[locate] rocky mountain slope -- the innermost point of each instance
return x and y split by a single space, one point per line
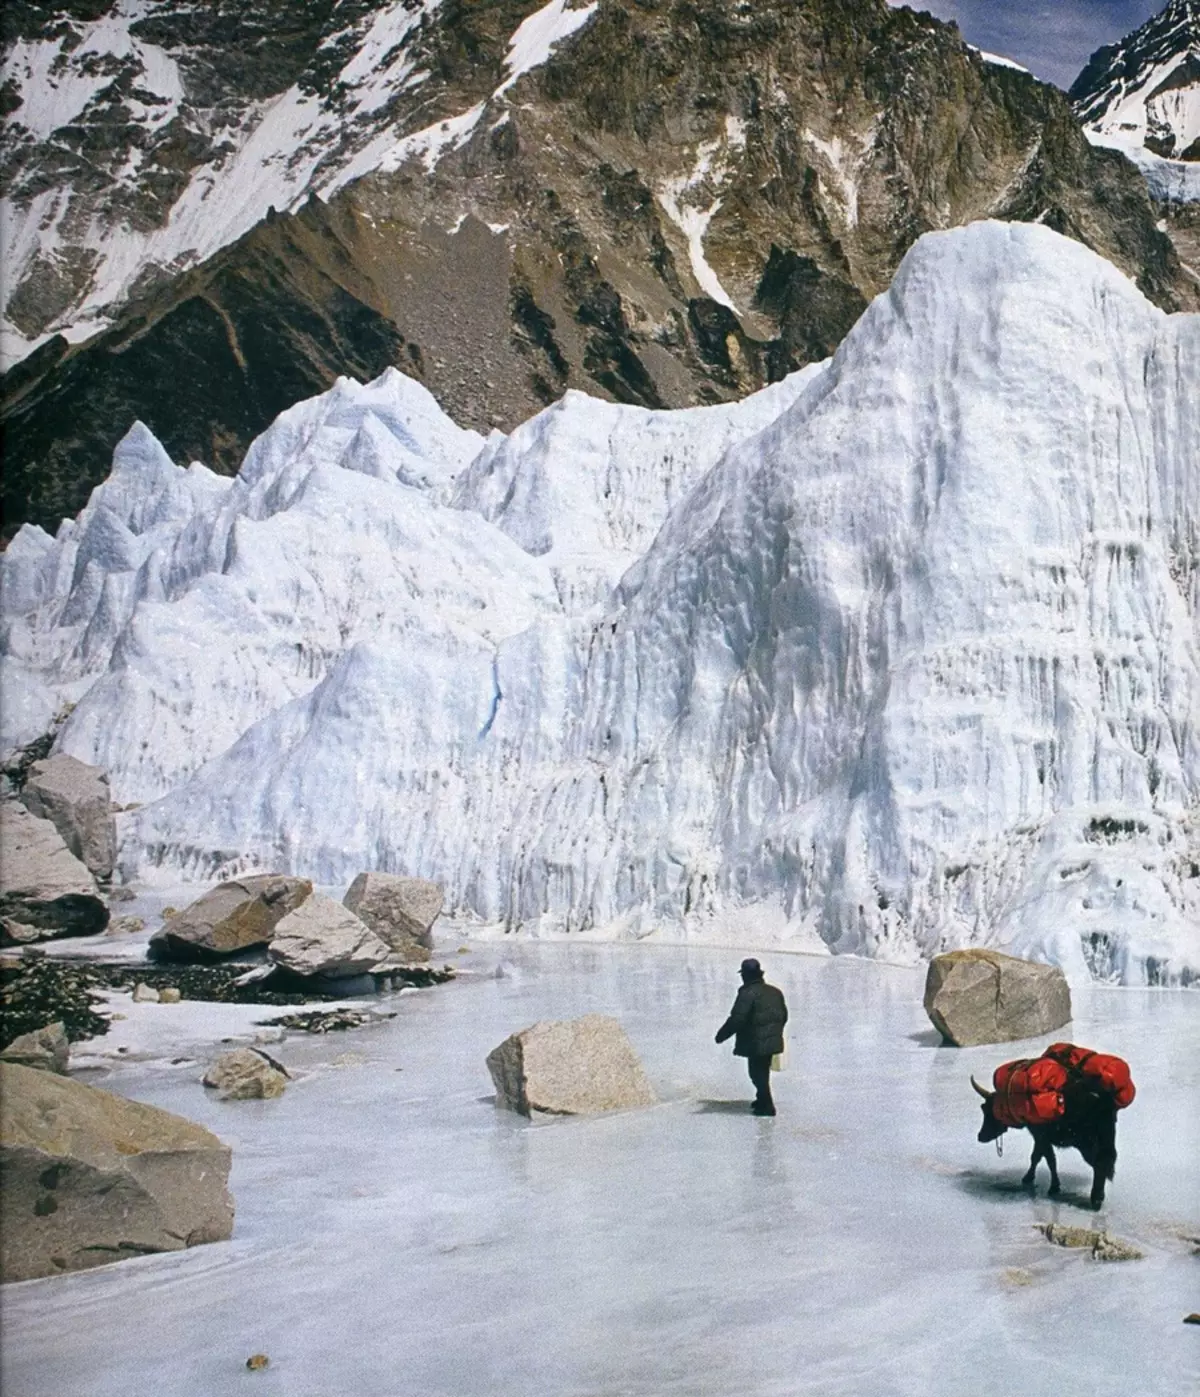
662 201
902 652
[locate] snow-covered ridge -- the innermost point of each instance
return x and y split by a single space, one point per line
904 653
1142 96
266 153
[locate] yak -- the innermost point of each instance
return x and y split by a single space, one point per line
1088 1124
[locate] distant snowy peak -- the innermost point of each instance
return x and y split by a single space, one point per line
1145 91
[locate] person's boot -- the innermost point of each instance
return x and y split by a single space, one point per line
763 1108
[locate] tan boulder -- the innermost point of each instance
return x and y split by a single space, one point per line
569 1067
47 1049
44 889
75 798
89 1177
400 911
229 918
246 1075
321 937
981 996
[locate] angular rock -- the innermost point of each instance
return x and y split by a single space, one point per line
1102 1245
569 1067
144 994
400 911
170 995
231 917
46 1049
321 937
246 1075
76 799
125 926
43 887
981 996
89 1177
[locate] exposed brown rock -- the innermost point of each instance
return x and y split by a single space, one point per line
981 996
232 917
90 1178
400 911
569 1067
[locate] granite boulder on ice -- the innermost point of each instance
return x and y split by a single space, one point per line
44 889
980 996
321 937
400 911
231 917
569 1067
90 1177
246 1075
47 1049
75 798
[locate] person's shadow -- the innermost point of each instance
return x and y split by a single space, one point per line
707 1106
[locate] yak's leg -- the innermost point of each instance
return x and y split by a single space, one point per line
1055 1187
1038 1155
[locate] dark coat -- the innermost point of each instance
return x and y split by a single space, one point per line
757 1018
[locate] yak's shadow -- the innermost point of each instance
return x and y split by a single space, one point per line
709 1107
980 1185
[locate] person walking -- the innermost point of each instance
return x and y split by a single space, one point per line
757 1018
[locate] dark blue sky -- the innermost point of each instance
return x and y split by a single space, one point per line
1053 38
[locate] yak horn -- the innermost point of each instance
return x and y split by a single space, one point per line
985 1094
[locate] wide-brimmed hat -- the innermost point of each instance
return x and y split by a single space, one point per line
751 969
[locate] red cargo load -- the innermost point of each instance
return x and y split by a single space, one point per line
1100 1071
1029 1091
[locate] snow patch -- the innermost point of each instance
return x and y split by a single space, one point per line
537 36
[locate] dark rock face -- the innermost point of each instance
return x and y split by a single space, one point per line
687 200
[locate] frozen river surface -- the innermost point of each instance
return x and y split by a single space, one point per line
396 1234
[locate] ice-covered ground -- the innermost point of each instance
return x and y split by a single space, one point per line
398 1235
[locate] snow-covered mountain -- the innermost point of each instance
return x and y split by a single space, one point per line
1142 96
910 657
663 204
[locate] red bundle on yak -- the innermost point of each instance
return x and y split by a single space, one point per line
1100 1071
1029 1091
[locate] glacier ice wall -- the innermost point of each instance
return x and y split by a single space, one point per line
904 652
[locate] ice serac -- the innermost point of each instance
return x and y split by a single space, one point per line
914 666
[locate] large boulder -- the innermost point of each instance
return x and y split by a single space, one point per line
400 911
46 1049
75 798
231 917
44 889
569 1067
246 1075
89 1177
981 996
321 937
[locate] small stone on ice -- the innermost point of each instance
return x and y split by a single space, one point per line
257 1361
